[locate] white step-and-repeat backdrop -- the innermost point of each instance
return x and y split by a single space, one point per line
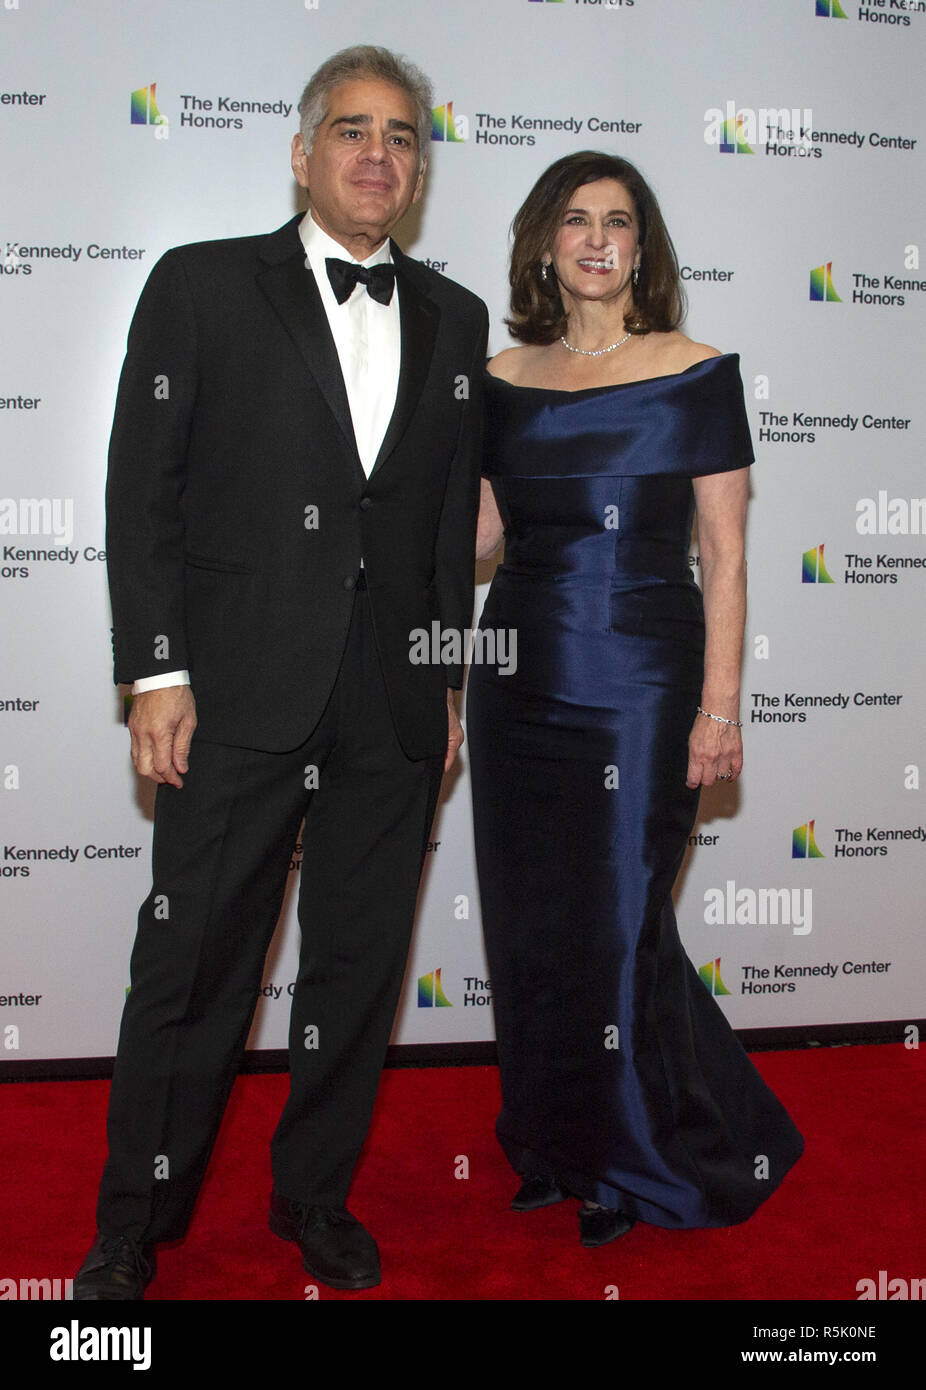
786 140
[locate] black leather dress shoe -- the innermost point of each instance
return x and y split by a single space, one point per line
335 1248
536 1192
117 1267
598 1225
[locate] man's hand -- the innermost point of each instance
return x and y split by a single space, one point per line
454 732
161 724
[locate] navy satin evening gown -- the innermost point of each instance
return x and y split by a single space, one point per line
581 812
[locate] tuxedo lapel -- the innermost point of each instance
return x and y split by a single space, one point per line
419 317
291 289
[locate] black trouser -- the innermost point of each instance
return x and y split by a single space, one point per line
222 850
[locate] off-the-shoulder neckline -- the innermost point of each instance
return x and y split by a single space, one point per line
616 386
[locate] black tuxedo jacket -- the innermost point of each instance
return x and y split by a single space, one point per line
238 510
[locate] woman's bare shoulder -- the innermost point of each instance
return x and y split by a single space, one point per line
514 364
684 352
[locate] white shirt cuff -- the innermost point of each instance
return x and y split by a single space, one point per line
161 682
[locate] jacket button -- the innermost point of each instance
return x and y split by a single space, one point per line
349 582
366 503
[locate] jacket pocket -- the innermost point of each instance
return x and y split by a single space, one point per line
207 562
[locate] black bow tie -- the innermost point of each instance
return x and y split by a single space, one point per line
344 275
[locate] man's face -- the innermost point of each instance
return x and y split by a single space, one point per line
362 173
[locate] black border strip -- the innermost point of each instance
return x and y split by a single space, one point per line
477 1054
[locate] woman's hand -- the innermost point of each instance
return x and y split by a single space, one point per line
715 752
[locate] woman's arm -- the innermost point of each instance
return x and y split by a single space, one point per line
715 749
489 529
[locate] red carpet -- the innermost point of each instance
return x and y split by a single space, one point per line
852 1206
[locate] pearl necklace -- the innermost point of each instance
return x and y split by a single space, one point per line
586 352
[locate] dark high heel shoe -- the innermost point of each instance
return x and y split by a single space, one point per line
536 1192
598 1225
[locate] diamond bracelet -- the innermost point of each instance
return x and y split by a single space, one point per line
735 723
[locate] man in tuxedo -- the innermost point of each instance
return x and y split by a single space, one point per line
292 490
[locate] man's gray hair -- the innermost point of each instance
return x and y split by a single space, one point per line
366 60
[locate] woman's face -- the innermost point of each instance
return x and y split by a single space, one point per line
596 245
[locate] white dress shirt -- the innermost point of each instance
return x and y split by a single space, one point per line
367 336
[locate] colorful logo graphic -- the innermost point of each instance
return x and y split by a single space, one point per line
710 974
813 570
830 9
443 126
430 992
803 843
732 139
145 107
821 284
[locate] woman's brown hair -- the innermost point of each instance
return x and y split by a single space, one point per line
537 313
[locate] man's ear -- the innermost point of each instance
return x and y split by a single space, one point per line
420 184
299 161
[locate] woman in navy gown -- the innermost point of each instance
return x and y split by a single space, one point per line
622 1082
